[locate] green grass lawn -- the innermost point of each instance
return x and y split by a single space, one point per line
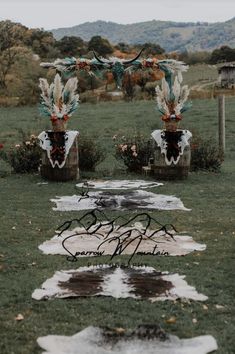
200 73
27 219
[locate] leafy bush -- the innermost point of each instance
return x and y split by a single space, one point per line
205 155
24 157
90 153
134 151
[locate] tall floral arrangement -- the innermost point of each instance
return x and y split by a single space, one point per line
172 97
58 101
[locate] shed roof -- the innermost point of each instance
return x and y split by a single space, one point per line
226 67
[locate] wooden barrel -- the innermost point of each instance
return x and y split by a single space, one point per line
69 172
179 171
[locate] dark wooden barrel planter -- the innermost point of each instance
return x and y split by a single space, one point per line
173 171
69 172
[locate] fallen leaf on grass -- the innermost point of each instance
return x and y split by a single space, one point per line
205 307
220 307
19 317
120 330
171 320
194 320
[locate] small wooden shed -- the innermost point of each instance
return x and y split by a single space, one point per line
227 76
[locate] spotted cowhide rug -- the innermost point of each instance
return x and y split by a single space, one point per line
125 200
147 339
118 282
118 184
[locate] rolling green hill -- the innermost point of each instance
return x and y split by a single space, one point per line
170 35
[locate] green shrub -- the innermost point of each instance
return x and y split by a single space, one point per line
90 153
134 151
24 157
205 155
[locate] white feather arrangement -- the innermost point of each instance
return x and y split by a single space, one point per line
58 100
172 97
174 66
62 65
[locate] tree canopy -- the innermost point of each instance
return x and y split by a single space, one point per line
223 54
100 45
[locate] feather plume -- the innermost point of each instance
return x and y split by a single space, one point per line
57 92
165 89
61 65
44 86
184 94
172 66
176 89
181 106
161 101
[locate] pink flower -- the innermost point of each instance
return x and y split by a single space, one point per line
135 154
124 147
133 148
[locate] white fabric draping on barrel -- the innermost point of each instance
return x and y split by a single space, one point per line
45 144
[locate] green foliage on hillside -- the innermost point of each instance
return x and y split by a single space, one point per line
171 36
22 49
100 45
223 54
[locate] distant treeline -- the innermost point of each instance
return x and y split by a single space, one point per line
22 49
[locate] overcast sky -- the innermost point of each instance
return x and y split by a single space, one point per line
49 14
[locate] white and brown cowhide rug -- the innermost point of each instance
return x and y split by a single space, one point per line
118 184
119 282
125 200
122 240
145 339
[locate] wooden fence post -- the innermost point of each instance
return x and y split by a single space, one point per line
221 117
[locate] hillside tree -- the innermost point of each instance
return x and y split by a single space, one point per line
223 54
100 45
71 46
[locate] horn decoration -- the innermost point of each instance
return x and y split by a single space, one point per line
132 60
100 60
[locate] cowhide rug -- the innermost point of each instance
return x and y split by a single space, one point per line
147 339
125 200
119 282
118 184
100 240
